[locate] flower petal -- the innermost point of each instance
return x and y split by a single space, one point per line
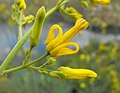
51 34
80 24
63 50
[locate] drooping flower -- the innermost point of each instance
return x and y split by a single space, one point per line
58 46
71 73
102 2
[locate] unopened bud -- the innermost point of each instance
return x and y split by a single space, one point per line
50 61
28 19
37 27
22 5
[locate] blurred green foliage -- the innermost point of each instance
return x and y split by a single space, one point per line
104 58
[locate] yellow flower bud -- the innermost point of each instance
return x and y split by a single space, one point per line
28 19
21 4
37 27
77 73
71 73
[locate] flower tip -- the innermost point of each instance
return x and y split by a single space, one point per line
93 74
42 7
42 10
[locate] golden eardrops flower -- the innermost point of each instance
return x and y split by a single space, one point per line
58 46
71 73
102 2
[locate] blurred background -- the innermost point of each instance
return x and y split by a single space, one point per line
100 50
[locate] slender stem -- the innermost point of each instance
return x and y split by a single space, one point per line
20 26
37 60
12 54
24 66
19 44
33 67
43 65
51 11
13 69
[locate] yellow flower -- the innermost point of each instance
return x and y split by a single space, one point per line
71 73
103 2
57 46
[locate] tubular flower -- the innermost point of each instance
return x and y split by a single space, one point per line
103 2
71 73
57 46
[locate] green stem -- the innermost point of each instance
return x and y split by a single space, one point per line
36 60
34 68
24 66
19 44
20 26
12 54
51 11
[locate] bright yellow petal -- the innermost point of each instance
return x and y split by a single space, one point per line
79 25
51 34
77 73
63 50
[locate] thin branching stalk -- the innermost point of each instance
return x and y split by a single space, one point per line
24 66
20 25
